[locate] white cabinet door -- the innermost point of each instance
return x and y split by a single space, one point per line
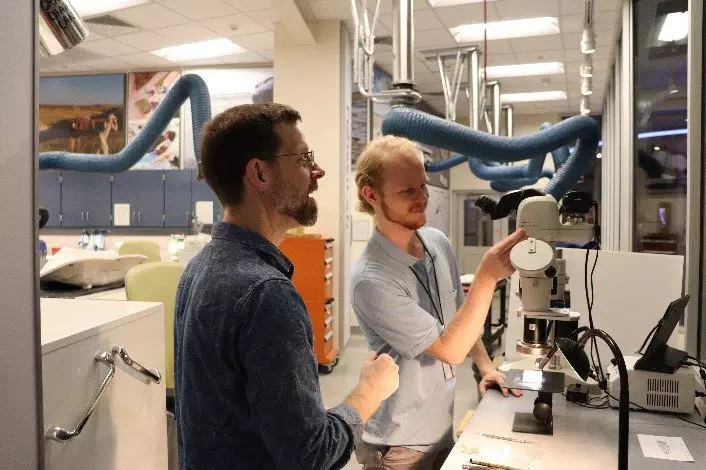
128 427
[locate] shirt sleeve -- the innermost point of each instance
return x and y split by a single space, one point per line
282 384
387 309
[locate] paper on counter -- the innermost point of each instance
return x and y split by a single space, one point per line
204 211
121 215
663 447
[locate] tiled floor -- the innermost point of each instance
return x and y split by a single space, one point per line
335 386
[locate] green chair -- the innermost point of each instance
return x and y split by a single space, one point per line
157 282
141 247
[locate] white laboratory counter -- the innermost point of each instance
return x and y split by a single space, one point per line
127 428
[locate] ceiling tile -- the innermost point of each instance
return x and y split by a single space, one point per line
571 23
433 38
244 58
572 7
497 47
201 9
606 5
536 43
265 17
426 19
108 47
74 67
257 42
540 56
331 9
107 64
150 16
572 41
145 59
145 41
93 36
465 14
188 33
605 20
234 25
251 5
515 9
267 54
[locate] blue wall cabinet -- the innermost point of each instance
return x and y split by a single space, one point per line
85 199
50 196
138 198
202 193
177 198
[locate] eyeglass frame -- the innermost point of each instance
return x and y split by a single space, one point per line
309 160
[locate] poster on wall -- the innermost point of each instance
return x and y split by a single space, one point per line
438 209
82 114
146 90
228 88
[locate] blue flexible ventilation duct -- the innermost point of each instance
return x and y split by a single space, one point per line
437 132
189 86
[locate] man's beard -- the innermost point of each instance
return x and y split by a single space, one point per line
400 220
305 211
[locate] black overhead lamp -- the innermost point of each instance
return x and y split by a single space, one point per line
577 358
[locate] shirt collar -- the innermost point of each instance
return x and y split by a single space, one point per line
394 251
268 251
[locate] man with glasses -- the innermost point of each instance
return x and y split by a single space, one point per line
247 389
407 294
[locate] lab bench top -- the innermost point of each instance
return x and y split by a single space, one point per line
66 321
583 438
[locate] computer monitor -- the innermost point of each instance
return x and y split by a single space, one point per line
659 357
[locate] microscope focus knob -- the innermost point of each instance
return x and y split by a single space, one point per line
550 271
532 256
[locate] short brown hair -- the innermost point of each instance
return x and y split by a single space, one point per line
371 164
236 136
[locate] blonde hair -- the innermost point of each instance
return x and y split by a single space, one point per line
371 164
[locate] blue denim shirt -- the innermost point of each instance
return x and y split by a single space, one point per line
247 386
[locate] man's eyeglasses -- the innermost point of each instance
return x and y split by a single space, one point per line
306 157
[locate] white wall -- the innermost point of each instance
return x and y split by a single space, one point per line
461 177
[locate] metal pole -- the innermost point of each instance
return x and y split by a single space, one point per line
371 115
473 60
509 113
403 43
495 89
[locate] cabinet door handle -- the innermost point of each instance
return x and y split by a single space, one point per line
328 260
328 321
328 336
87 219
139 216
83 216
328 277
60 434
134 216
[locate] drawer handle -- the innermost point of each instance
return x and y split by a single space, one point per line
328 321
328 276
328 336
328 260
60 434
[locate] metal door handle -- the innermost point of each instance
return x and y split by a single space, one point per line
134 216
328 260
83 215
328 336
60 434
87 216
139 216
328 277
328 321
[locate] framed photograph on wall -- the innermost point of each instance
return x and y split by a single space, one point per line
82 114
146 90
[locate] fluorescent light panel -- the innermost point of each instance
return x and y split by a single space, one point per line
87 8
675 27
199 50
448 3
542 26
525 70
536 96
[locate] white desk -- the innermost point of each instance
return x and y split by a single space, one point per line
583 438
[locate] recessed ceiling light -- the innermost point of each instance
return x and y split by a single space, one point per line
447 3
96 7
542 26
675 27
199 50
535 96
525 70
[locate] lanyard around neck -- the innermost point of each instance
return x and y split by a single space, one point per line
439 315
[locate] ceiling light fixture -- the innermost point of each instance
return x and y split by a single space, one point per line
199 50
675 27
525 70
542 26
96 7
535 96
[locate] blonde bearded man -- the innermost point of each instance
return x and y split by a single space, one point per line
408 298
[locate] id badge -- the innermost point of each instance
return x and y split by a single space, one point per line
448 371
